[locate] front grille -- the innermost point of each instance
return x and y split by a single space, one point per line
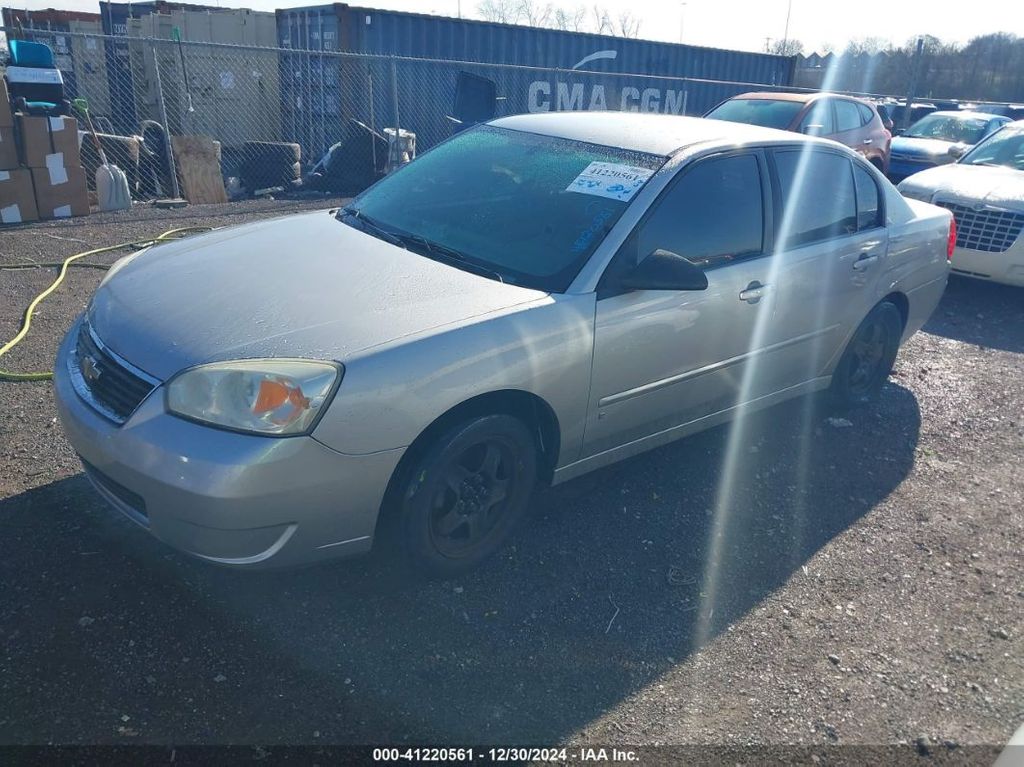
987 230
107 382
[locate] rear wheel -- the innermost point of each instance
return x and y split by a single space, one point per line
868 358
463 498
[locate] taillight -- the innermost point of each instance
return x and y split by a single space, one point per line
951 244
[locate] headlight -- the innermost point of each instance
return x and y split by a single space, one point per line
274 397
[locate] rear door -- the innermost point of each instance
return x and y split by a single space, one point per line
831 242
665 358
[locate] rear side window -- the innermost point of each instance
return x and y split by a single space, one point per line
869 207
818 198
866 115
847 116
819 116
713 215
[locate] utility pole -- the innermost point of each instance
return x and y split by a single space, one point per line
767 45
785 35
915 71
682 11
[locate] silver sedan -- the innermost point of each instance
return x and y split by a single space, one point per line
535 298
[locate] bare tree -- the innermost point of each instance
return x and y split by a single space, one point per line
535 13
629 25
786 47
869 45
501 11
571 19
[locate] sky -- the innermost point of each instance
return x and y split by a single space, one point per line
737 24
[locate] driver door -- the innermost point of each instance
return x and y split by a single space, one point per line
665 358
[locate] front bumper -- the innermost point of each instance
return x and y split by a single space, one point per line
1006 267
235 499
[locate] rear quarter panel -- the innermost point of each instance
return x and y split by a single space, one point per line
916 264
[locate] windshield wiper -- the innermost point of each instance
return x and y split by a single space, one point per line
450 253
372 227
421 243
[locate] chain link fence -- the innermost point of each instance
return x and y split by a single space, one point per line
273 116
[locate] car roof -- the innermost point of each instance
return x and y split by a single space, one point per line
800 97
651 133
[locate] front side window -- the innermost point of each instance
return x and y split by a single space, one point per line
847 116
818 198
712 215
818 120
519 207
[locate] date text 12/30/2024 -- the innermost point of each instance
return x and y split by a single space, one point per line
515 754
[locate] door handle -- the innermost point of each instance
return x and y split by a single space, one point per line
753 293
868 141
866 259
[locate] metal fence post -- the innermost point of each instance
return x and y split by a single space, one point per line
394 94
163 119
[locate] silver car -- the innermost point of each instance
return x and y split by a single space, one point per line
534 299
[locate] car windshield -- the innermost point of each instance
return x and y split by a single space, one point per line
1004 147
769 113
513 206
967 130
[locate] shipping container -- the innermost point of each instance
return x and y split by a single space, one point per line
322 93
78 49
231 94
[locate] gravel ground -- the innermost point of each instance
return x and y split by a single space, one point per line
862 584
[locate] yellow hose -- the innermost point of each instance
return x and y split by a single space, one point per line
172 234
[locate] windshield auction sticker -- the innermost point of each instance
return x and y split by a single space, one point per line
609 179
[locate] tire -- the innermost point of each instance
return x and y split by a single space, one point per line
868 358
462 499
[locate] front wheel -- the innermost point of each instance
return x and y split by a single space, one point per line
868 358
463 498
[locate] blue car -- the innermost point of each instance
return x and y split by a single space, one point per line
938 139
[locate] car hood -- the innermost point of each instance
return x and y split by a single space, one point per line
1001 187
922 147
304 286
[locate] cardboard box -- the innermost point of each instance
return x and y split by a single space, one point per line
6 116
17 199
8 149
60 192
48 141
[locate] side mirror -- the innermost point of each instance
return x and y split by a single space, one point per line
665 270
957 151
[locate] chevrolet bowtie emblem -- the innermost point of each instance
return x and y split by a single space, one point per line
90 369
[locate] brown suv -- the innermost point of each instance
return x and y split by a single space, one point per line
849 121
